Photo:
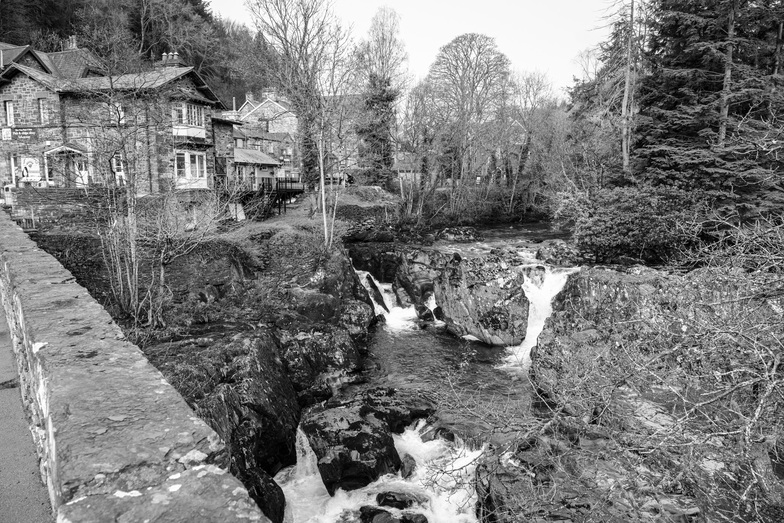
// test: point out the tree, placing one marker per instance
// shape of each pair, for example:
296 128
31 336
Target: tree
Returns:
381 59
303 37
470 76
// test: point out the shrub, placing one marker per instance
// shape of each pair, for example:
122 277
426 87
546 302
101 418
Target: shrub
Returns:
644 223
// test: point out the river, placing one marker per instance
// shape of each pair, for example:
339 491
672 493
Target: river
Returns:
482 392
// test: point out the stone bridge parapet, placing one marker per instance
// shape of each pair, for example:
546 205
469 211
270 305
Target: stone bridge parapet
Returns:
115 441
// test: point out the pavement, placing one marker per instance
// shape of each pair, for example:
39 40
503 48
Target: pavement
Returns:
23 497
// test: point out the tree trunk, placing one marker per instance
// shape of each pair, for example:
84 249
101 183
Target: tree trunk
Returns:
724 106
627 87
777 56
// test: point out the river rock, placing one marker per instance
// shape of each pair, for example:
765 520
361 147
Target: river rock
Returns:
311 356
398 500
352 437
483 297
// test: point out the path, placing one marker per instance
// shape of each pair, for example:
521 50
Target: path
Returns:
23 498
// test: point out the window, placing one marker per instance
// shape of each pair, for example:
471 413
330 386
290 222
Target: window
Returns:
117 164
190 165
9 113
43 111
189 114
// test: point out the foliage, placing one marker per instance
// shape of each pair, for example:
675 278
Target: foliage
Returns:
643 223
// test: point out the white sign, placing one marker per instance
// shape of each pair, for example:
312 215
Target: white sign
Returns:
31 168
6 133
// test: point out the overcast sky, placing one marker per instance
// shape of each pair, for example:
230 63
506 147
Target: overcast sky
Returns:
536 35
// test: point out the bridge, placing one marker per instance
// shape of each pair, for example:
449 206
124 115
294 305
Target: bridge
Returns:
112 439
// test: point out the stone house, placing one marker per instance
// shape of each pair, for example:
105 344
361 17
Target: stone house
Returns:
273 113
62 124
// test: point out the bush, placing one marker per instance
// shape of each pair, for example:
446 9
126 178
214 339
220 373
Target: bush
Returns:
645 223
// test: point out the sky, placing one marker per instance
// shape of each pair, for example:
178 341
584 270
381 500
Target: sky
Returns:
536 35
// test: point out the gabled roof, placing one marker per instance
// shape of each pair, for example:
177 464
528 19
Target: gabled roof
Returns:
252 156
12 54
257 106
73 63
47 80
146 80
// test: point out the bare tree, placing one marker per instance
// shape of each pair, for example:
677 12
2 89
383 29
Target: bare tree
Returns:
470 75
304 37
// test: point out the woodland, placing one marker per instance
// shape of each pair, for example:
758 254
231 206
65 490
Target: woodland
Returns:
671 132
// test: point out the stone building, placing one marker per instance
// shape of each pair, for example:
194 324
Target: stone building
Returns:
63 124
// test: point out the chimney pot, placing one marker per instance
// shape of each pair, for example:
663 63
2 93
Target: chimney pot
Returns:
163 57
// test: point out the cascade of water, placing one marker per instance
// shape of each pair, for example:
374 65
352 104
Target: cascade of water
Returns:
540 287
442 481
397 318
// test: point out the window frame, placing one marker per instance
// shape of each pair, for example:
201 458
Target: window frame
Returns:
190 115
186 162
10 116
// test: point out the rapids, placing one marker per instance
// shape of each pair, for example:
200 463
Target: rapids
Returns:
477 388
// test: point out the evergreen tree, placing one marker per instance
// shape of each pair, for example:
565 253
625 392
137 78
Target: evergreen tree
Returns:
375 129
711 101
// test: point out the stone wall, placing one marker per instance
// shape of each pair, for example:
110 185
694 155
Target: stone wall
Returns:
115 440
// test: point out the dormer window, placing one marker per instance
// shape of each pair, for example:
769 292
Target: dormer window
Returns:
189 114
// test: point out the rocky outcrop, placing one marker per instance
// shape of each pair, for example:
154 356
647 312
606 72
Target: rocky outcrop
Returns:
479 296
587 476
352 437
240 387
661 366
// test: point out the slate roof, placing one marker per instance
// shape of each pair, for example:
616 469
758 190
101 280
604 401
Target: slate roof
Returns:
253 156
132 81
73 63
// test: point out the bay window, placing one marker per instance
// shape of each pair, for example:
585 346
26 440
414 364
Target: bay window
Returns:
189 114
189 164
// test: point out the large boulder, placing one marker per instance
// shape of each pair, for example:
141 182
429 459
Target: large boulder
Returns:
315 358
483 296
352 437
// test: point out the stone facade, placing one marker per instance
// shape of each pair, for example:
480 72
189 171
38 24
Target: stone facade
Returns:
80 132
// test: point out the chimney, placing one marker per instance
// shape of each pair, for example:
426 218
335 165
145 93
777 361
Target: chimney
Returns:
72 42
233 100
249 97
268 92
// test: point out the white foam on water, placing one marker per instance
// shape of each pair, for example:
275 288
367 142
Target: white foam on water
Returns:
442 480
540 287
397 318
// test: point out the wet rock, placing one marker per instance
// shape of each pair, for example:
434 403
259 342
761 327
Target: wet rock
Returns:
369 514
398 500
459 234
308 356
483 297
413 518
407 466
352 437
558 252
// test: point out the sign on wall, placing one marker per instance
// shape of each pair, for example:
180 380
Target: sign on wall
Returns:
25 133
5 134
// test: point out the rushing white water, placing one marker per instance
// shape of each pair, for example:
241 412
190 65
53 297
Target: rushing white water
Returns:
540 288
397 318
442 482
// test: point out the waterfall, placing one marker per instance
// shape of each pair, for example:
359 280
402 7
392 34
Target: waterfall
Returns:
385 303
442 481
540 287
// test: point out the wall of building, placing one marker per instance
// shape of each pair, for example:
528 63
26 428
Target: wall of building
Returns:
115 440
29 136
